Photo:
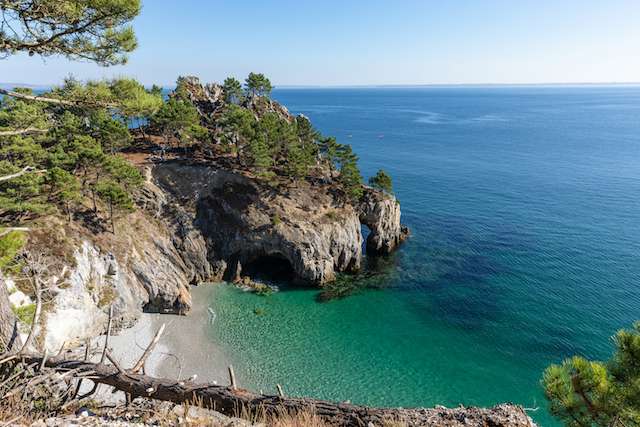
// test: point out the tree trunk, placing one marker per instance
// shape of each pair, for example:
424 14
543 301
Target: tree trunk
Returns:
113 226
141 129
232 401
9 338
93 199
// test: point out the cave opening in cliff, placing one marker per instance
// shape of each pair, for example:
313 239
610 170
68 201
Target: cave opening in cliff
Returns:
270 268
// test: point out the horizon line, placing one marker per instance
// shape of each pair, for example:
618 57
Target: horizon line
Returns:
373 86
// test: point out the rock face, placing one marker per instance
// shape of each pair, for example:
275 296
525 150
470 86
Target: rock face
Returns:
245 223
381 214
139 268
198 223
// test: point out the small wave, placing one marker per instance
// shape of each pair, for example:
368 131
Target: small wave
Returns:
490 118
431 118
212 315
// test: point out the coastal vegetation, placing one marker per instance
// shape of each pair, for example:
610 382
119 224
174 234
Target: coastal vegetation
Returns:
584 393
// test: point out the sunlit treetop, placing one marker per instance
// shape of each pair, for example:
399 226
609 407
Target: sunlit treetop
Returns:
93 30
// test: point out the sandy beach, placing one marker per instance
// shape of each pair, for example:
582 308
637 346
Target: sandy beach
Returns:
185 348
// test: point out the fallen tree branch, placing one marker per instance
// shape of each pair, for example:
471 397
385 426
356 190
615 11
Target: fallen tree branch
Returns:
233 401
140 364
22 131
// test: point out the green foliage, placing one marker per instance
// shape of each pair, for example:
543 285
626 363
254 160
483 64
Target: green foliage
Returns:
92 94
123 172
239 125
63 186
116 197
590 393
155 90
20 197
260 154
350 177
329 148
275 219
258 84
232 90
135 102
112 134
179 118
25 313
17 114
114 194
381 181
94 30
303 150
10 245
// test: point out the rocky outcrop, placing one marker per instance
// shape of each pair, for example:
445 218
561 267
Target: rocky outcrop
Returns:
245 222
380 212
139 268
209 101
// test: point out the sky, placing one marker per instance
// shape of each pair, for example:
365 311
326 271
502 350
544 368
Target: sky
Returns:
370 42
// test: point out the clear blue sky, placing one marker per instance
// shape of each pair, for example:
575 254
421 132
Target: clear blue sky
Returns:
360 42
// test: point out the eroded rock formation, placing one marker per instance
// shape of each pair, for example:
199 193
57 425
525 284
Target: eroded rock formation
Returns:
244 221
380 212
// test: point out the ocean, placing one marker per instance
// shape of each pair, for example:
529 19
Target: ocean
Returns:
524 208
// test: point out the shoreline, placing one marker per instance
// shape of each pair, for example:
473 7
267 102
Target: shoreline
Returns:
185 348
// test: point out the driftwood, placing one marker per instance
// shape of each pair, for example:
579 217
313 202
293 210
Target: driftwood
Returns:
232 401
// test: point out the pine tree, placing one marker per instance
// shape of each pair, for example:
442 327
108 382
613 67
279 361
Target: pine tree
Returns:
135 103
180 119
605 394
350 177
258 85
239 126
232 90
381 181
93 30
116 197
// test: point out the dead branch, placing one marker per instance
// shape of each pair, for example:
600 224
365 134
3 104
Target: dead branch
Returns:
106 338
36 316
24 131
38 98
147 352
26 169
229 400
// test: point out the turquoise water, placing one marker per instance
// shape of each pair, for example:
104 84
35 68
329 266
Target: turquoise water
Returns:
524 204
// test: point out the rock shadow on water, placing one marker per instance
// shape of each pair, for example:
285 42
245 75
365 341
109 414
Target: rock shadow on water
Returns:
378 273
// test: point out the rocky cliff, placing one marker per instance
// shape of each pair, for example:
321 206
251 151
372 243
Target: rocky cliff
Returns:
303 227
200 222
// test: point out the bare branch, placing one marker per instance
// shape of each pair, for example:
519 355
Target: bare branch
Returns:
36 316
106 338
38 98
22 131
140 364
26 169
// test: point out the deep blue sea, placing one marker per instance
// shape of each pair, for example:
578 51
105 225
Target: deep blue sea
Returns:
524 208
